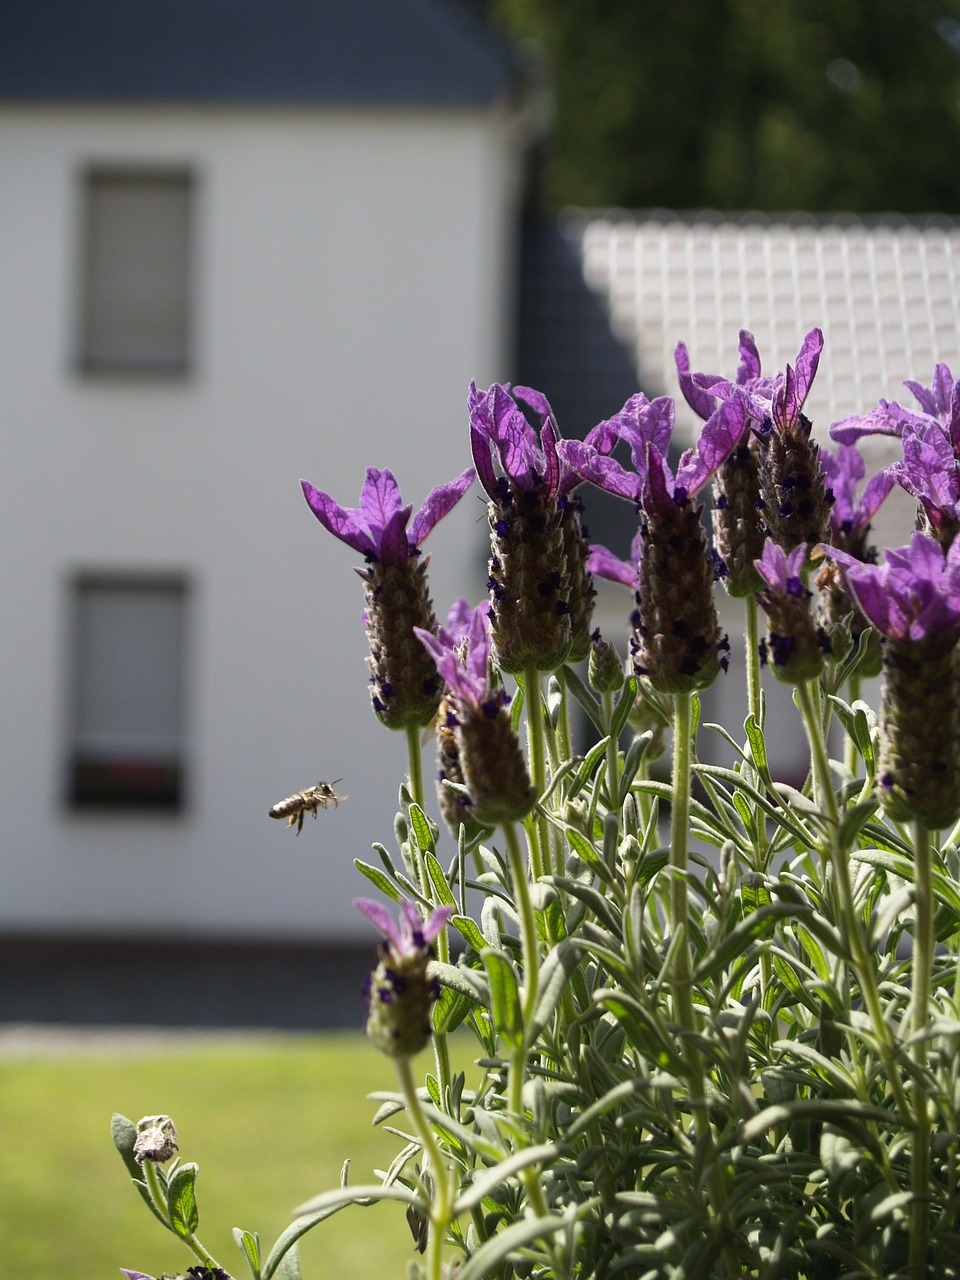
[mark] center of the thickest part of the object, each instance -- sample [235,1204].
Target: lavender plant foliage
[707,1007]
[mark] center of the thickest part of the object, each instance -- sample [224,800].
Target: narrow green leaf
[376,876]
[182,1200]
[554,975]
[757,924]
[316,1210]
[467,982]
[494,1251]
[450,1010]
[853,822]
[585,850]
[758,748]
[441,887]
[625,704]
[249,1245]
[469,932]
[487,1180]
[590,704]
[504,997]
[289,1268]
[422,830]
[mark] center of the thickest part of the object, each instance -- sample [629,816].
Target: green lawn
[269,1122]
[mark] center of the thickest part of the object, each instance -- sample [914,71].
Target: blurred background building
[245,242]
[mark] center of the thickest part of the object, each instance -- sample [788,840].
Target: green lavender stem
[837,857]
[442,1201]
[753,659]
[540,828]
[416,764]
[923,944]
[682,975]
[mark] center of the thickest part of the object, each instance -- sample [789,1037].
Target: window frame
[136,780]
[89,360]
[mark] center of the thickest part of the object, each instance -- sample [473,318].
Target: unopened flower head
[487,748]
[401,992]
[795,644]
[405,688]
[913,600]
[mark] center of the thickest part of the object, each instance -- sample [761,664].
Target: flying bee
[308,801]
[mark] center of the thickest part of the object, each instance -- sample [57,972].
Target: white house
[241,242]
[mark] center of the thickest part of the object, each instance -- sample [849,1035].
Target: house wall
[351,277]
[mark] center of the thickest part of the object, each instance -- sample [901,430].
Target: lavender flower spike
[913,599]
[378,527]
[401,991]
[794,642]
[405,688]
[484,745]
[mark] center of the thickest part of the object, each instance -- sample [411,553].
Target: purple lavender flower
[913,600]
[476,741]
[794,642]
[849,529]
[939,403]
[401,991]
[929,469]
[540,589]
[703,391]
[410,933]
[405,688]
[852,511]
[914,595]
[378,527]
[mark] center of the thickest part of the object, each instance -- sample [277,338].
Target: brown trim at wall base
[175,983]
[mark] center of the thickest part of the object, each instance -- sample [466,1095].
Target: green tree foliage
[763,104]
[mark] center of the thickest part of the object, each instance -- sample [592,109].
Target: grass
[269,1122]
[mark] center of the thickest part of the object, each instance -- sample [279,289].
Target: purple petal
[883,420]
[719,436]
[605,472]
[700,401]
[874,492]
[340,521]
[604,564]
[658,487]
[515,439]
[394,544]
[379,501]
[439,502]
[808,361]
[749,367]
[549,436]
[380,918]
[434,924]
[537,401]
[642,422]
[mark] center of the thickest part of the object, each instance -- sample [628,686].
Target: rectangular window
[135,287]
[127,724]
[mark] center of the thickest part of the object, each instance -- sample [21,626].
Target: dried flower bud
[156,1139]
